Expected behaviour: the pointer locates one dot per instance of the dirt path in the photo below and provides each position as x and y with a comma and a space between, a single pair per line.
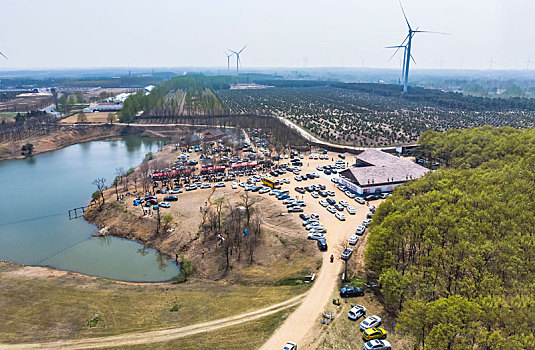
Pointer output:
301, 325
160, 335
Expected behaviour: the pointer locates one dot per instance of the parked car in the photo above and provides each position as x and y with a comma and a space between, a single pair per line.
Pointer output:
370, 322
170, 198
206, 185
371, 197
314, 195
234, 185
319, 229
331, 209
314, 216
309, 221
369, 215
366, 222
176, 191
316, 236
338, 207
295, 209
344, 203
191, 187
346, 254
360, 200
324, 203
377, 345
164, 205
350, 291
350, 194
220, 184
322, 244
331, 201
353, 240
290, 346
264, 190
373, 333
304, 216
351, 210
300, 189
340, 216
360, 230
356, 312
384, 195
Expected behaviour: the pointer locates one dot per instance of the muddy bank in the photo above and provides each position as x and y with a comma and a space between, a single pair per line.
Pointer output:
68, 136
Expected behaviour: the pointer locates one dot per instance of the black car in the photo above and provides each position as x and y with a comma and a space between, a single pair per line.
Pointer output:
327, 172
322, 244
322, 187
331, 201
170, 198
342, 156
350, 291
371, 197
304, 216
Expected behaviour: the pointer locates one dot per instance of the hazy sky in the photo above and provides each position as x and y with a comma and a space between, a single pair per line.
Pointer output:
158, 33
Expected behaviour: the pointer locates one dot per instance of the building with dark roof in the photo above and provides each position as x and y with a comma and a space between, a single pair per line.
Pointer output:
213, 135
376, 171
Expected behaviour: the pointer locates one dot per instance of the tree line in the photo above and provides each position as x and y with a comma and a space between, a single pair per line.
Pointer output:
454, 251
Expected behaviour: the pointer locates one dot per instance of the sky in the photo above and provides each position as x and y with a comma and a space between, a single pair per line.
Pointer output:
36, 34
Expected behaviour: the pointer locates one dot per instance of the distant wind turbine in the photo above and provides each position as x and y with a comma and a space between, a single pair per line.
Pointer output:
491, 62
408, 46
528, 62
3, 55
238, 59
228, 60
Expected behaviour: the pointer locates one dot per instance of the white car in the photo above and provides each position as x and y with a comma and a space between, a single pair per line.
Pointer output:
264, 190
350, 194
370, 322
340, 216
315, 195
366, 222
316, 235
220, 184
290, 346
313, 224
353, 240
377, 345
351, 210
332, 209
164, 205
177, 191
360, 230
356, 312
344, 203
243, 184
324, 203
234, 185
314, 216
206, 185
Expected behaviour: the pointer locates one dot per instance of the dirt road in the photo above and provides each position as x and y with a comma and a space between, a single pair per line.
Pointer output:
160, 335
303, 322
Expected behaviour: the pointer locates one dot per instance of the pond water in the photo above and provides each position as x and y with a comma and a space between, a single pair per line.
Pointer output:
38, 192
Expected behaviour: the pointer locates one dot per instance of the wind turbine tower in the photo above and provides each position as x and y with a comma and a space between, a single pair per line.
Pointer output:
228, 60
238, 59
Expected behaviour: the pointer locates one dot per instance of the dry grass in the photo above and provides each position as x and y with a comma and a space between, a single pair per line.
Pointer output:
37, 307
250, 335
96, 118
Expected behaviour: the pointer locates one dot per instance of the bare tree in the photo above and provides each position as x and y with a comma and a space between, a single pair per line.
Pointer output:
101, 186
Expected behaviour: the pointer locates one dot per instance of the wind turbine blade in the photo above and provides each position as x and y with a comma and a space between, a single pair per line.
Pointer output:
395, 52
3, 55
243, 48
427, 31
234, 52
404, 15
412, 58
394, 47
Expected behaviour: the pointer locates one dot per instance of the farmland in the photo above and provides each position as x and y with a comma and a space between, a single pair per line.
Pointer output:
367, 117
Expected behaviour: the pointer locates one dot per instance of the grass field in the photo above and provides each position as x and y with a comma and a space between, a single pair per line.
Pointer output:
42, 305
96, 118
250, 335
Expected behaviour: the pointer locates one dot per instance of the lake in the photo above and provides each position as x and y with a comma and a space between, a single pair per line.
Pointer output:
37, 193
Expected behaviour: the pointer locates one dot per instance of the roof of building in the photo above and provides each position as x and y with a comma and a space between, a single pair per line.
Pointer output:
379, 168
213, 133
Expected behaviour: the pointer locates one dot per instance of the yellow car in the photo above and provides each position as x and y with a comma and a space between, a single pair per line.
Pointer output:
373, 333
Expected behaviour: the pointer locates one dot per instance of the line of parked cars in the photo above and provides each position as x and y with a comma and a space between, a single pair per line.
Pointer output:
372, 334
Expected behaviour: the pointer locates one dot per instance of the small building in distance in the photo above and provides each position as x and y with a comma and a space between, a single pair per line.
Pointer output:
213, 135
103, 107
376, 171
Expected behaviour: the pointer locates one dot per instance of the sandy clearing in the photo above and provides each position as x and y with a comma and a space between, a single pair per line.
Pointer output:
304, 320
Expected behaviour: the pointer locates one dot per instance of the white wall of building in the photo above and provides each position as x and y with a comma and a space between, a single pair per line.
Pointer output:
367, 189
